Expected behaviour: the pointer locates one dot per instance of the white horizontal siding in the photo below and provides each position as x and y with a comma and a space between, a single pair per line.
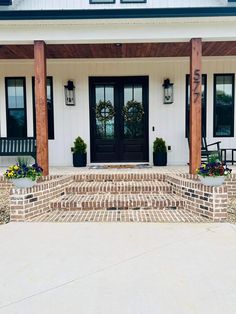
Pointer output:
84, 4
168, 120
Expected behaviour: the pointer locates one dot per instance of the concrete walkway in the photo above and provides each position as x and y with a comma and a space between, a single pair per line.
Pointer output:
90, 268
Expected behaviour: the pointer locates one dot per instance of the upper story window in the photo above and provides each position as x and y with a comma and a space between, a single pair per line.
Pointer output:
133, 1
114, 1
101, 1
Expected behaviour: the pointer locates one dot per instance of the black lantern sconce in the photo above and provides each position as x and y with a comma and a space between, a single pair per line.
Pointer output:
70, 93
168, 91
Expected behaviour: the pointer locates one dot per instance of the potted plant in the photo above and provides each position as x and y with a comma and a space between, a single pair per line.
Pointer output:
159, 152
79, 153
22, 175
213, 172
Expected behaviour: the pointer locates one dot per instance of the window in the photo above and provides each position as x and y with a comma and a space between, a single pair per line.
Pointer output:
223, 105
204, 104
133, 1
5, 2
16, 107
50, 108
101, 1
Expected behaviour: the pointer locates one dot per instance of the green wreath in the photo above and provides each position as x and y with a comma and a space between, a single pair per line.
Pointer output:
133, 111
104, 111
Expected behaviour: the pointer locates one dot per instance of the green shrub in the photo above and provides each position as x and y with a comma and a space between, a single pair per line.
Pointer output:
79, 146
159, 145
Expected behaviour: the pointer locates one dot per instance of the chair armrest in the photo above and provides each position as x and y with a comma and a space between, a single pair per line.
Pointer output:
216, 143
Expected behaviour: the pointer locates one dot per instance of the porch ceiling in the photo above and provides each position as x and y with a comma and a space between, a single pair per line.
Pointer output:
127, 50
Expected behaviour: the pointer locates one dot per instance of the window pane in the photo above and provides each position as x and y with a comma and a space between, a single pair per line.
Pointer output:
101, 1
204, 104
50, 107
16, 123
105, 120
15, 91
224, 105
16, 107
133, 1
133, 111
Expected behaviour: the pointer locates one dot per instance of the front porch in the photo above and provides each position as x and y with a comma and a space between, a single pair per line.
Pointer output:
156, 61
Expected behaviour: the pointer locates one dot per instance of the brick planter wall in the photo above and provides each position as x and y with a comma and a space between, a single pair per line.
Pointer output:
4, 183
230, 182
31, 202
210, 202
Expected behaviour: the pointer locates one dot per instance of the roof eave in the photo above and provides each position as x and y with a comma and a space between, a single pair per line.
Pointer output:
117, 13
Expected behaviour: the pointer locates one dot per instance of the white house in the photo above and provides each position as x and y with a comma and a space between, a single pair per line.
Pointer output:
118, 54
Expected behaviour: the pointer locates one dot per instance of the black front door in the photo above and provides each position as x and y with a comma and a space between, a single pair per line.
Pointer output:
119, 119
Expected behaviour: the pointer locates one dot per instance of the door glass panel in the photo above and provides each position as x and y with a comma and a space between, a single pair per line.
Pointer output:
133, 111
105, 113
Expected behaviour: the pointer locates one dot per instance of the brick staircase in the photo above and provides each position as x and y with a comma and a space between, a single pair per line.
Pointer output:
118, 191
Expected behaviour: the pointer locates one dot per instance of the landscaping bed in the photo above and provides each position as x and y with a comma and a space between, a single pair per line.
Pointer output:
4, 206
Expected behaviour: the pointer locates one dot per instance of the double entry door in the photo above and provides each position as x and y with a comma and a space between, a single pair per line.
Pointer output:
119, 119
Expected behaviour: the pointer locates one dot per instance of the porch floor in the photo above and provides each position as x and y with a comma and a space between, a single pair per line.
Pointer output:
92, 169
73, 170
152, 169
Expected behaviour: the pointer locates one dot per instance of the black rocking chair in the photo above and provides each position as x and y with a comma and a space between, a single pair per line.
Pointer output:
209, 149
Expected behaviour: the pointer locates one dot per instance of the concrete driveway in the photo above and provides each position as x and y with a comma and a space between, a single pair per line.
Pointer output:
112, 268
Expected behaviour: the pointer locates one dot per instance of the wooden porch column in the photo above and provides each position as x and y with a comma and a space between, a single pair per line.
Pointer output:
41, 105
195, 104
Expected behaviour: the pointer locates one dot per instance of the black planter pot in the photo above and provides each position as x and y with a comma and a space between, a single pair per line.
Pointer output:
79, 159
160, 159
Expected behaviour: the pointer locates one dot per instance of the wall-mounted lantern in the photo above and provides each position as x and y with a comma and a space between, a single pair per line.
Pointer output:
168, 92
70, 93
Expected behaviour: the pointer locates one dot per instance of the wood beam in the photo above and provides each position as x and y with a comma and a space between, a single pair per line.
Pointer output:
41, 105
195, 104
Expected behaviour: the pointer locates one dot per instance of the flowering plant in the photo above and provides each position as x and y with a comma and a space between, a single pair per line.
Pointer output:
214, 168
19, 171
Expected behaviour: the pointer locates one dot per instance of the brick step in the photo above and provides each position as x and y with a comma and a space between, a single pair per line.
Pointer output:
117, 201
124, 187
159, 216
119, 176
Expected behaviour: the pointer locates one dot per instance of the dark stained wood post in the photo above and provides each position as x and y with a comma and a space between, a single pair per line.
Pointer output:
195, 104
41, 105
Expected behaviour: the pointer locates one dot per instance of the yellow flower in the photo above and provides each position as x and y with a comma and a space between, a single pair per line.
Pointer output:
15, 167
